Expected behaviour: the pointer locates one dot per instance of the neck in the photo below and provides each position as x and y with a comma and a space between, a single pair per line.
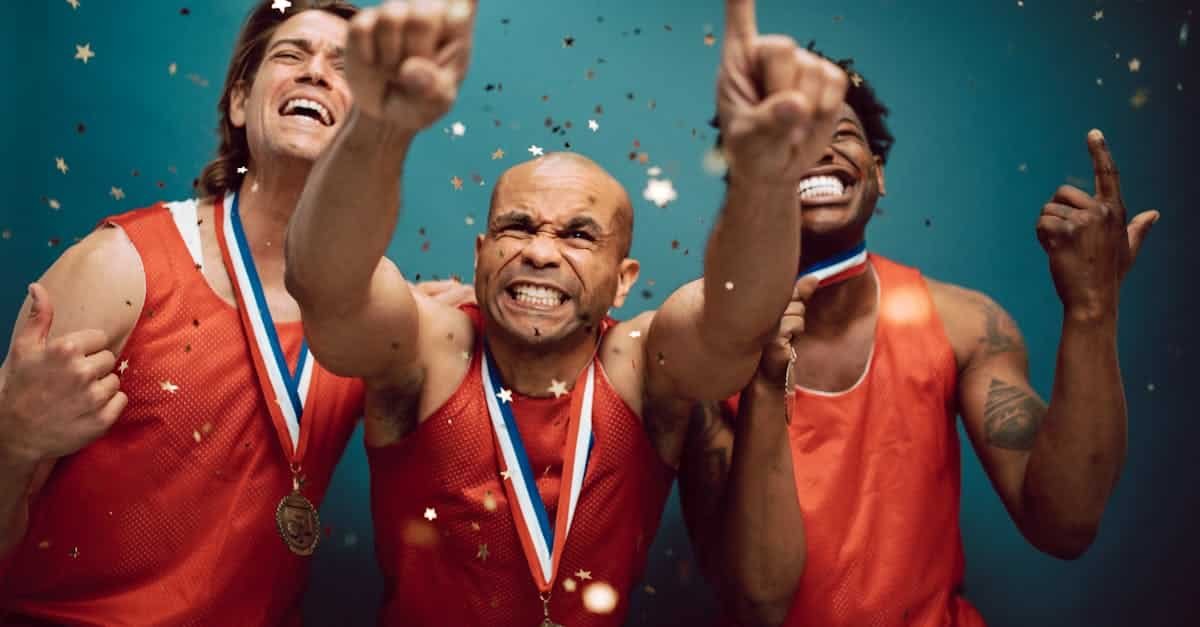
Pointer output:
831, 308
815, 250
530, 369
266, 202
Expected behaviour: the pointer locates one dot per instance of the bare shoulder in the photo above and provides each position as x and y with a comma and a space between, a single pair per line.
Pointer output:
623, 354
977, 326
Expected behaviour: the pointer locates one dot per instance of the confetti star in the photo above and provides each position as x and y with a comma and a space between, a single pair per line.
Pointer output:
172, 69
430, 514
499, 154
1140, 98
568, 42
61, 164
456, 182
74, 552
557, 388
281, 5
504, 395
584, 575
54, 204
1098, 15
856, 79
729, 286
458, 129
466, 356
505, 475
594, 125
569, 584
243, 169
169, 387
74, 4
655, 171
482, 554
660, 192
635, 334
1149, 387
709, 39
84, 52
1135, 64
117, 193
536, 151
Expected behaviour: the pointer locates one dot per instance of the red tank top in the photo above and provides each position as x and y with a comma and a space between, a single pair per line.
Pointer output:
466, 565
169, 519
877, 473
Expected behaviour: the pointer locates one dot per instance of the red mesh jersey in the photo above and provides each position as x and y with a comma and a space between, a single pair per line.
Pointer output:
169, 519
877, 473
466, 566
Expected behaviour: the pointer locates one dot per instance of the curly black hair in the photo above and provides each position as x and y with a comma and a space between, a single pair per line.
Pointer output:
861, 97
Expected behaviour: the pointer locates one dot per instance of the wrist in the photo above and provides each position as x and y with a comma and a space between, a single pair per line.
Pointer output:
1091, 314
369, 132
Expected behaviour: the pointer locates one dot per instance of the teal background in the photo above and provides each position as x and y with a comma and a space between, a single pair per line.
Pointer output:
991, 102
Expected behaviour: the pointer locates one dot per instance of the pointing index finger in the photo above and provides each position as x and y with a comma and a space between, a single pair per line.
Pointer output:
1108, 179
740, 24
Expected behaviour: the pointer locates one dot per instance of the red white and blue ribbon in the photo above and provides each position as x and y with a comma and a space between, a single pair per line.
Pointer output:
542, 543
840, 267
286, 391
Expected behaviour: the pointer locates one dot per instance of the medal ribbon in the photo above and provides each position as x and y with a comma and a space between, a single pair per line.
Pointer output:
838, 268
285, 391
542, 544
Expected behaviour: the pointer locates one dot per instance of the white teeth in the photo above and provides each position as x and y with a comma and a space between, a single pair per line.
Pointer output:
295, 103
540, 296
821, 187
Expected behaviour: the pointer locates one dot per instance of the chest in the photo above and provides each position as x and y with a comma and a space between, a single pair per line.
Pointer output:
837, 362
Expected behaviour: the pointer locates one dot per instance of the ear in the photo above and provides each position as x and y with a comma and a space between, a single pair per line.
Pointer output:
237, 104
626, 277
879, 178
478, 247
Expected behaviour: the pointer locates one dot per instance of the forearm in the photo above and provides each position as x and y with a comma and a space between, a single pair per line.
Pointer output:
16, 477
347, 214
763, 548
750, 266
1080, 448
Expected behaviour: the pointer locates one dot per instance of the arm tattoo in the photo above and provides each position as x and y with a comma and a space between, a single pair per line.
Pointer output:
1011, 417
707, 423
997, 340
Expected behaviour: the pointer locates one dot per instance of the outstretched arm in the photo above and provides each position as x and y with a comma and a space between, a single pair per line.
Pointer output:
777, 105
404, 63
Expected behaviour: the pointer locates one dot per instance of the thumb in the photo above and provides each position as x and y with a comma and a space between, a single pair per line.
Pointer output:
1138, 229
41, 315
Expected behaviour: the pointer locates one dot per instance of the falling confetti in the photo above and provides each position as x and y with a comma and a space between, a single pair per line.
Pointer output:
557, 388
505, 475
1135, 64
568, 42
281, 5
569, 584
482, 554
53, 203
117, 193
714, 162
504, 395
635, 334
1139, 98
600, 598
351, 539
660, 192
84, 52
1183, 34
536, 151
74, 4
172, 69
61, 164
1098, 15
654, 171
430, 514
584, 575
6, 234
74, 552
1149, 387
594, 125
499, 154
458, 129
1024, 167
489, 502
167, 386
709, 39
729, 286
242, 169
456, 182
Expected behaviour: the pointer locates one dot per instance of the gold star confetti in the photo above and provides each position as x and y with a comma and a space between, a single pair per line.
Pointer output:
650, 590
456, 182
1135, 64
729, 286
123, 367
242, 169
84, 52
117, 193
557, 388
44, 544
569, 584
489, 501
1140, 98
504, 395
600, 598
74, 552
53, 203
74, 4
594, 125
856, 79
465, 355
505, 475
660, 192
584, 575
61, 164
167, 386
474, 526
635, 334
482, 554
536, 151
430, 514
196, 436
709, 39
499, 154
281, 5
1098, 15
172, 69
654, 171
458, 129
469, 220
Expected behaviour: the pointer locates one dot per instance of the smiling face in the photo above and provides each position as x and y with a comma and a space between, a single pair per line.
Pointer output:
298, 97
554, 258
838, 196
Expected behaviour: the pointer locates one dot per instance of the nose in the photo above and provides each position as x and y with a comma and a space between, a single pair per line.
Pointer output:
827, 155
314, 72
541, 252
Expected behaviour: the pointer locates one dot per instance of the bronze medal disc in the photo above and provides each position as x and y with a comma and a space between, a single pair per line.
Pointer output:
298, 523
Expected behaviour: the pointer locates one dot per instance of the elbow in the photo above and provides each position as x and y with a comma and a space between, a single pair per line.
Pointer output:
763, 610
1068, 543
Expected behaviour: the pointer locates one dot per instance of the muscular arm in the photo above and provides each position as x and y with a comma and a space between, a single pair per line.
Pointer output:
97, 286
1054, 467
740, 504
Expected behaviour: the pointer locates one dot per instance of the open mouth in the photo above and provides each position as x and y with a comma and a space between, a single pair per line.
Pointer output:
832, 188
307, 108
539, 297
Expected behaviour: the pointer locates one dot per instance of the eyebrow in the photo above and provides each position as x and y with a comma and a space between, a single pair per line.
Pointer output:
583, 222
512, 218
305, 45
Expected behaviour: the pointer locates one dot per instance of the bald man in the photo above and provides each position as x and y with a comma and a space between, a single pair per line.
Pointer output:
518, 474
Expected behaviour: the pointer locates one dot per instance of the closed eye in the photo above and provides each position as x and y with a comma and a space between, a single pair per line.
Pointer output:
577, 234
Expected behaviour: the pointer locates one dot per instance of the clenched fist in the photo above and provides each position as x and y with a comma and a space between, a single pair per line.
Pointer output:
777, 102
1087, 240
777, 354
406, 60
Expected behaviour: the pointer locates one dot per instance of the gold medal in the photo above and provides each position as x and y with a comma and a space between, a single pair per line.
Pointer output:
546, 622
298, 523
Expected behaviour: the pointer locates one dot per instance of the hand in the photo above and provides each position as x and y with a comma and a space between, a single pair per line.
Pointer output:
451, 293
61, 394
777, 102
777, 354
1089, 245
406, 60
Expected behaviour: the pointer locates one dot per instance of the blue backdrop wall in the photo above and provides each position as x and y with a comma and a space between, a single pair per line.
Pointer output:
991, 101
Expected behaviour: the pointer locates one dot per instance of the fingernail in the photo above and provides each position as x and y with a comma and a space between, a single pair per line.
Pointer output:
1096, 135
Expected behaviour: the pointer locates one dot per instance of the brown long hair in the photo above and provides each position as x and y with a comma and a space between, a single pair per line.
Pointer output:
221, 175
